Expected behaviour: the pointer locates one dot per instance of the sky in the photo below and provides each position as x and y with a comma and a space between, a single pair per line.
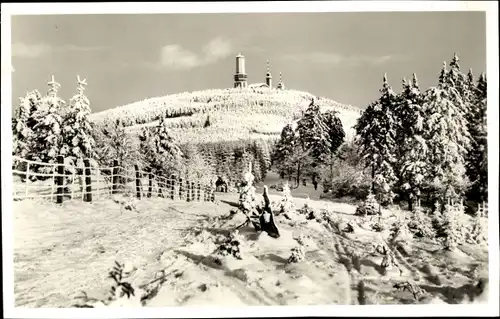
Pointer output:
339, 55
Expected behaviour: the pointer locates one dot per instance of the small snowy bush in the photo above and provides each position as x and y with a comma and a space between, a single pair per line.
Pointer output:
350, 227
478, 231
248, 200
412, 287
297, 255
369, 207
231, 247
453, 226
399, 232
117, 293
389, 259
286, 204
338, 223
378, 225
420, 225
307, 211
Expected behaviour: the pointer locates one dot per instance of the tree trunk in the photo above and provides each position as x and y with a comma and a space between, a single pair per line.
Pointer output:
298, 176
410, 202
331, 176
373, 179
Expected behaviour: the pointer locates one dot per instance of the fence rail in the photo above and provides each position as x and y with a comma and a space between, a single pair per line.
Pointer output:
59, 181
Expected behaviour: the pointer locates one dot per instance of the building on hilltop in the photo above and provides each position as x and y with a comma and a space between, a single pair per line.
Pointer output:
240, 77
281, 84
258, 85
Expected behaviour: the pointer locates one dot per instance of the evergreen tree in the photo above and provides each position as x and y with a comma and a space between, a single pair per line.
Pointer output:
463, 96
293, 156
195, 168
77, 134
313, 132
23, 125
376, 132
247, 201
335, 137
225, 162
47, 130
254, 157
112, 142
448, 139
159, 149
241, 162
286, 204
283, 151
477, 166
458, 80
411, 142
266, 153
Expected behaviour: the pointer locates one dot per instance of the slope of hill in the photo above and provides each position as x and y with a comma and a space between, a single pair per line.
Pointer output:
233, 114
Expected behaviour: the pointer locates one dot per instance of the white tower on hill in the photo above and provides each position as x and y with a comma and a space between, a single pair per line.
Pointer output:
269, 77
240, 78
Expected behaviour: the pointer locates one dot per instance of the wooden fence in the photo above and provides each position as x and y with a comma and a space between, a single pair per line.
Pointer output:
58, 182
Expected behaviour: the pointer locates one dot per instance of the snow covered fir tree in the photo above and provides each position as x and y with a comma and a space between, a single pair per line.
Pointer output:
427, 146
77, 133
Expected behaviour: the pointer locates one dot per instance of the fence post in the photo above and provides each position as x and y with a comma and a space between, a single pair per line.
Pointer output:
198, 190
73, 184
98, 177
150, 182
160, 184
60, 179
54, 182
193, 193
82, 184
27, 179
88, 181
137, 182
114, 177
181, 188
188, 190
166, 187
172, 188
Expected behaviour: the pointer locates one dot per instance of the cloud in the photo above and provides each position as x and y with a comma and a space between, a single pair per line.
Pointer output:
24, 50
175, 56
217, 49
338, 59
71, 47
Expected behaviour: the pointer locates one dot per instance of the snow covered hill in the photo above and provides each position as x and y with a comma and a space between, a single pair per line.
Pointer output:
233, 114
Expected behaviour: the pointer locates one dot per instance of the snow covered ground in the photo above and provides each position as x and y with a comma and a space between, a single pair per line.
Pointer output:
167, 247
